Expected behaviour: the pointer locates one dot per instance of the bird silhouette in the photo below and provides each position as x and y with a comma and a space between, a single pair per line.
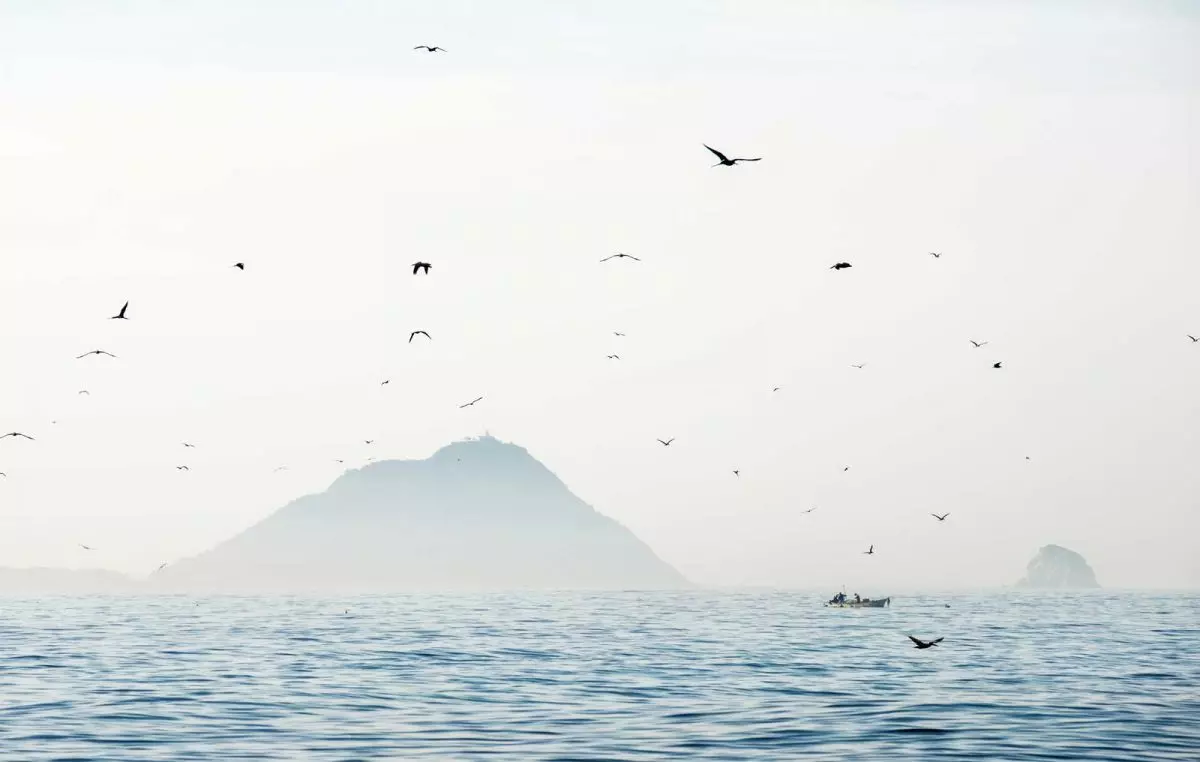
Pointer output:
338, 460
240, 265
777, 388
182, 468
841, 266
430, 48
84, 391
935, 254
3, 474
736, 472
417, 266
940, 518
17, 434
188, 444
621, 256
85, 547
617, 333
666, 443
844, 470
869, 551
387, 381
995, 365
978, 344
723, 160
418, 333
860, 366
160, 567
924, 643
1193, 338
810, 510
368, 441
471, 403
96, 352
121, 315
614, 357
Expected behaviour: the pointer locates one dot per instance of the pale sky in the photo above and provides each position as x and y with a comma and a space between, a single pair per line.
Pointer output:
1048, 149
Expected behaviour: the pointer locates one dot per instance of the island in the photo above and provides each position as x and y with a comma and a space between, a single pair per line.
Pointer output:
1057, 568
479, 514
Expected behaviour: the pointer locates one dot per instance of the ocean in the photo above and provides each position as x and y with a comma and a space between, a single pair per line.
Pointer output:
1112, 676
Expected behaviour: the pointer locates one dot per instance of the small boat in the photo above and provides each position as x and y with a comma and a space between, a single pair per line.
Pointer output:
865, 603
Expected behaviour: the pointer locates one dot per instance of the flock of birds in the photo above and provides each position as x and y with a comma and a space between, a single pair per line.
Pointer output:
424, 268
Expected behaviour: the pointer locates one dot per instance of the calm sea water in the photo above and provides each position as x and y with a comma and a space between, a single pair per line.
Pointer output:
600, 676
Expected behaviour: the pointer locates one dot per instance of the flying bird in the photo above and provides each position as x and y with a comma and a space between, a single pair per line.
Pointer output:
160, 567
736, 472
777, 388
940, 518
368, 441
17, 434
3, 474
935, 254
469, 404
418, 333
869, 551
614, 357
624, 256
430, 48
977, 344
666, 443
96, 352
924, 643
188, 444
85, 391
810, 510
121, 315
85, 547
617, 333
240, 265
860, 366
841, 266
421, 266
995, 365
385, 382
723, 160
1193, 338
182, 468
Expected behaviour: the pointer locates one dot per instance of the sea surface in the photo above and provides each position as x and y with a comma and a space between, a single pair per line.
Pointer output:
613, 676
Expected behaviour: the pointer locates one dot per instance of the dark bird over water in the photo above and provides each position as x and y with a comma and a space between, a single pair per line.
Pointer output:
121, 315
430, 48
995, 365
418, 333
240, 265
924, 643
841, 266
418, 266
96, 352
869, 551
16, 434
469, 404
723, 160
977, 344
666, 443
621, 256
940, 518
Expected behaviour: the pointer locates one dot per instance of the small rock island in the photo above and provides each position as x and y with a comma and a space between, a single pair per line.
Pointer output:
1057, 568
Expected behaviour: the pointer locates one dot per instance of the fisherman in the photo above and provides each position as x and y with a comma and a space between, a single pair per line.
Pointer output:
857, 599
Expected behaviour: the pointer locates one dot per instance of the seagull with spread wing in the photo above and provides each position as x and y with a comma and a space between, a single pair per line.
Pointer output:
725, 161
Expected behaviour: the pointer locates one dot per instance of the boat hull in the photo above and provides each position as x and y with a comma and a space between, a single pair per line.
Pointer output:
864, 604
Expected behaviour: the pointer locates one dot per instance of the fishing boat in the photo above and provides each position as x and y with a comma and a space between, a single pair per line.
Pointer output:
865, 603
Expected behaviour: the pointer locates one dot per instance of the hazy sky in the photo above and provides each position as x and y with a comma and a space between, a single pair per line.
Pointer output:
1049, 149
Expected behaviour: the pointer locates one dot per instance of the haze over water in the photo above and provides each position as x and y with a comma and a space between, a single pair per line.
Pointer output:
772, 675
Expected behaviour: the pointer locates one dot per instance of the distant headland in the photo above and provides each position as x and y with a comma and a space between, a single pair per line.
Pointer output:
1055, 567
479, 514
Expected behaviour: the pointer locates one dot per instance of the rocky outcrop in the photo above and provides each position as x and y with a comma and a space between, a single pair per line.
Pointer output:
1054, 568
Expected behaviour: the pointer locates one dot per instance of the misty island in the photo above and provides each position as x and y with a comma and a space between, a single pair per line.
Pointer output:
476, 515
1055, 568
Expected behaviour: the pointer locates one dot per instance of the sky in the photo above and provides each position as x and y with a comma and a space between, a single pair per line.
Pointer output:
1047, 150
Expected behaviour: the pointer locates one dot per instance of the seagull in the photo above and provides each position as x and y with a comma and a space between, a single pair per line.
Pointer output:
777, 388
935, 254
121, 315
614, 357
17, 434
421, 266
841, 266
617, 333
995, 365
415, 333
188, 444
725, 161
940, 518
368, 441
978, 344
810, 510
469, 404
85, 391
240, 265
96, 352
737, 473
85, 547
869, 551
182, 468
385, 382
625, 256
666, 443
860, 366
1193, 338
430, 48
3, 474
160, 567
924, 643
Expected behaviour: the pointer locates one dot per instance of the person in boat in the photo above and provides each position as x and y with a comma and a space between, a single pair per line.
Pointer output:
857, 599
